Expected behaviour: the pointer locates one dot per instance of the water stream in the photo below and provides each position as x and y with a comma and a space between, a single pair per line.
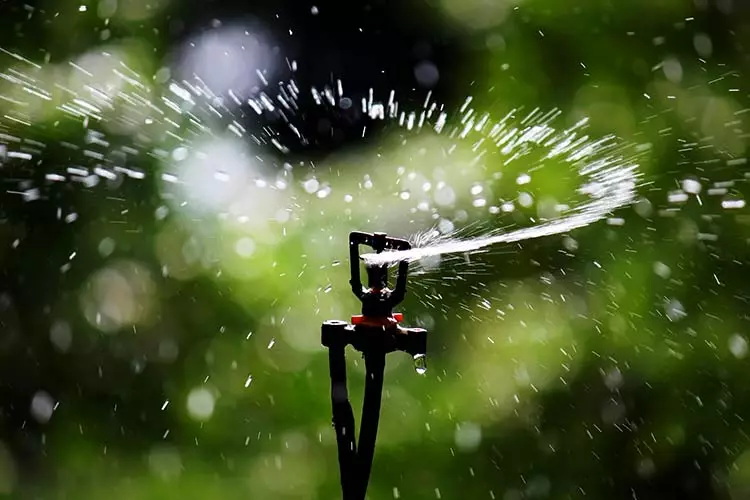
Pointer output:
608, 176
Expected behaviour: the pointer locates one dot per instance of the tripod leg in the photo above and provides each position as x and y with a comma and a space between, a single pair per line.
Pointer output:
375, 367
343, 421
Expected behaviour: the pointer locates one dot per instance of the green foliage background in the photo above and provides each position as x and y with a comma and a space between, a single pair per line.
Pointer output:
558, 368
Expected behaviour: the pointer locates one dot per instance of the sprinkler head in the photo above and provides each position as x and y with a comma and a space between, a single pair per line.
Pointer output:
374, 333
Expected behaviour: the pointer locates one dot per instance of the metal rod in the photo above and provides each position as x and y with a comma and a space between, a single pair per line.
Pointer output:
375, 368
343, 422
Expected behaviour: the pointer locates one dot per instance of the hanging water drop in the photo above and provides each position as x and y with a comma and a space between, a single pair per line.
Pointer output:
420, 363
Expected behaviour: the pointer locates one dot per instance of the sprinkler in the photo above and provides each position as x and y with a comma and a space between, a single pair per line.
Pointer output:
374, 333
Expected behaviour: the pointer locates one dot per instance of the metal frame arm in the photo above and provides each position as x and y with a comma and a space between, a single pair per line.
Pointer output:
398, 244
399, 292
357, 238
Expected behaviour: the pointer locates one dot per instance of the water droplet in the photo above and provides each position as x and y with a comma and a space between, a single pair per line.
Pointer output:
703, 45
222, 176
61, 335
677, 197
168, 350
42, 407
161, 212
427, 74
179, 154
245, 247
164, 461
674, 310
570, 244
525, 200
311, 185
738, 346
733, 204
444, 195
643, 208
248, 381
468, 436
613, 379
282, 216
672, 70
420, 364
430, 262
662, 270
200, 403
106, 247
445, 226
523, 179
691, 186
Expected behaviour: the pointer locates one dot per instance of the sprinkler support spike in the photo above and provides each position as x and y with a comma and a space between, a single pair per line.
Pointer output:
374, 333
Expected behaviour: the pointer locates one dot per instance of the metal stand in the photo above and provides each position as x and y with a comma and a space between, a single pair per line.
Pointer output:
355, 459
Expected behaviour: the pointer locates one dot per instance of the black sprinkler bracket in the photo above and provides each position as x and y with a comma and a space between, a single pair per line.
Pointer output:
374, 333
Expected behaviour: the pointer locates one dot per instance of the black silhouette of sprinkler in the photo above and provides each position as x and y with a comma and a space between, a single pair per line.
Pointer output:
374, 333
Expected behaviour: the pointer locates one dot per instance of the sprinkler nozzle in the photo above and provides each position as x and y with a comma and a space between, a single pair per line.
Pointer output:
377, 277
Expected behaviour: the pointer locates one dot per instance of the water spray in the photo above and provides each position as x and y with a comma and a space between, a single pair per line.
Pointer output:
374, 333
